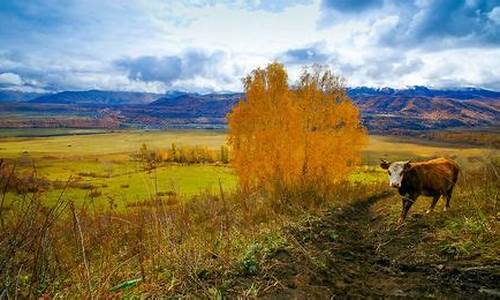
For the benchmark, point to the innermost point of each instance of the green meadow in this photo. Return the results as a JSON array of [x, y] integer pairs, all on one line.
[[106, 176]]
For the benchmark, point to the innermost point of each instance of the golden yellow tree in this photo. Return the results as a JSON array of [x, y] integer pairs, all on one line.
[[288, 137]]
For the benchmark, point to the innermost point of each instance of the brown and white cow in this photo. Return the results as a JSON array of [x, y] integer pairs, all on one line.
[[434, 178]]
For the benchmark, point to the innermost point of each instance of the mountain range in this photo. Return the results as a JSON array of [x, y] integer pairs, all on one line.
[[16, 96], [97, 97], [383, 109]]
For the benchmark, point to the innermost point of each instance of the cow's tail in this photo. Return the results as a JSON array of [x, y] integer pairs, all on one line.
[[456, 172]]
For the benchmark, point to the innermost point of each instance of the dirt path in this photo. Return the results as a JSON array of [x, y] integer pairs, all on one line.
[[352, 251]]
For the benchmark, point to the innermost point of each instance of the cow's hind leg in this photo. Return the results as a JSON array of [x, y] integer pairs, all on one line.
[[448, 198], [450, 191], [435, 199]]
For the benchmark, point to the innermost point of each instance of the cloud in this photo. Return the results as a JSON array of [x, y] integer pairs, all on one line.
[[466, 22], [34, 75], [391, 66], [494, 15], [149, 68], [349, 6], [274, 6], [209, 69], [13, 81], [10, 80], [58, 45], [314, 54], [339, 11], [424, 23], [385, 67], [396, 73], [379, 69]]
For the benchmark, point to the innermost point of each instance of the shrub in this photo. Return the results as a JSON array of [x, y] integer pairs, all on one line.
[[282, 138], [95, 193], [249, 262], [181, 154]]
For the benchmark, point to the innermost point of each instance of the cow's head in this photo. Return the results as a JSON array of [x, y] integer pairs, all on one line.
[[396, 171]]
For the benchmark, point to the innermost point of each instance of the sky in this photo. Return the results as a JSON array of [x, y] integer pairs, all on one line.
[[209, 45]]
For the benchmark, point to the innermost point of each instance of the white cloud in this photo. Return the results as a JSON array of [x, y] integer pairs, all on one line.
[[10, 79], [381, 43], [494, 15]]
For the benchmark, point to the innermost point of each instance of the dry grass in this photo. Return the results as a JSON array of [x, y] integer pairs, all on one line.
[[469, 231], [166, 245], [478, 138], [160, 246]]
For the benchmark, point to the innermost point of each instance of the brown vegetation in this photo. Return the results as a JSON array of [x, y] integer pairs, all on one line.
[[234, 243], [475, 138], [357, 251], [283, 138], [165, 245]]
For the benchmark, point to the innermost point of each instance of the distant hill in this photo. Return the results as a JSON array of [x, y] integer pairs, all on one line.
[[197, 105], [384, 110], [422, 91], [16, 96], [421, 108], [417, 108], [97, 97]]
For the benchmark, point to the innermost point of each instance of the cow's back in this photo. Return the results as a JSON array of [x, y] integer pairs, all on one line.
[[436, 175]]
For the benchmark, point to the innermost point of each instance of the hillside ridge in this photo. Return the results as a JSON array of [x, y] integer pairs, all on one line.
[[383, 110]]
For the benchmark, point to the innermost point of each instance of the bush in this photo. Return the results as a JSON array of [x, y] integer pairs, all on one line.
[[181, 154], [249, 263], [283, 138]]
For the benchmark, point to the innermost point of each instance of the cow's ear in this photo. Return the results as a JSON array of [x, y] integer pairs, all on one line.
[[384, 164], [407, 165]]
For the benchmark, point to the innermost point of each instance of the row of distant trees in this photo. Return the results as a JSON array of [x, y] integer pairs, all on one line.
[[181, 154]]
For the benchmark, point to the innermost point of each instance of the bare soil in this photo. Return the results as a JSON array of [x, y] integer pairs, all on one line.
[[356, 251]]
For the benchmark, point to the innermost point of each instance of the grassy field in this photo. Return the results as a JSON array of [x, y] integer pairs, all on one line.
[[116, 143], [102, 161], [41, 132], [172, 232], [84, 146]]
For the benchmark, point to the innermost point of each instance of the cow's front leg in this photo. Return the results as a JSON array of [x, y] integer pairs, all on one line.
[[407, 203], [435, 199]]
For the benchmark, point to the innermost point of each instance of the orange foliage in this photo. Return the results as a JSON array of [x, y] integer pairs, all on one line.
[[284, 138]]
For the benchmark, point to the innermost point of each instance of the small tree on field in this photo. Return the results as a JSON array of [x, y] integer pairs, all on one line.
[[283, 137]]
